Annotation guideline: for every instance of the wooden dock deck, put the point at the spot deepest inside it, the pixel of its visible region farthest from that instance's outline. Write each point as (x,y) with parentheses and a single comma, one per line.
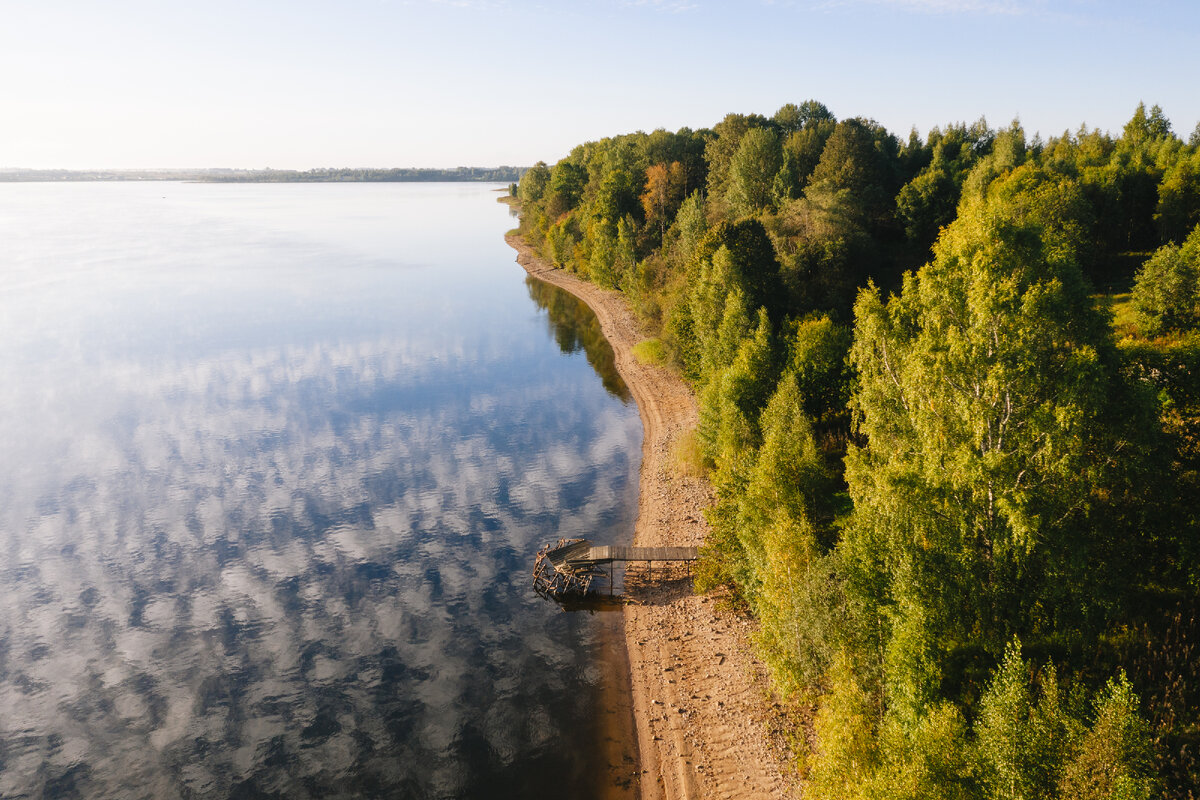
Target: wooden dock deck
(572,565)
(608,552)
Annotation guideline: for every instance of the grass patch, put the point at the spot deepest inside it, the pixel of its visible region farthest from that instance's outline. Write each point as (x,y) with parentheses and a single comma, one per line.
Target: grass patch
(1124,318)
(650,351)
(1128,332)
(686,456)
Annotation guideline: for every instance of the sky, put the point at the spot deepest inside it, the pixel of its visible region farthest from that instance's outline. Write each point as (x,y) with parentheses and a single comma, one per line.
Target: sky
(299,84)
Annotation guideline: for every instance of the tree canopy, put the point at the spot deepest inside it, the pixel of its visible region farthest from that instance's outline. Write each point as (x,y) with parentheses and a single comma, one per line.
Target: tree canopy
(957,504)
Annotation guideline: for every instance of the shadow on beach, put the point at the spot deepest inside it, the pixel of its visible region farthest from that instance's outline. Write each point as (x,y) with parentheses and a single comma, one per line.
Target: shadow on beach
(640,586)
(661,585)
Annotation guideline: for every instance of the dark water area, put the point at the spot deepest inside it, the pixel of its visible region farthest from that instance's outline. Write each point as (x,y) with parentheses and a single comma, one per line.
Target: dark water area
(275,461)
(576,329)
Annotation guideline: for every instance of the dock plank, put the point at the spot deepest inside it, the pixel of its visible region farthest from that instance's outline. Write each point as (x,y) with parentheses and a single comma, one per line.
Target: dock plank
(606,553)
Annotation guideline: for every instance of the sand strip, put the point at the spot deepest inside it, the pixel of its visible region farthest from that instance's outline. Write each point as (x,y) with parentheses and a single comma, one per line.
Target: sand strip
(702,710)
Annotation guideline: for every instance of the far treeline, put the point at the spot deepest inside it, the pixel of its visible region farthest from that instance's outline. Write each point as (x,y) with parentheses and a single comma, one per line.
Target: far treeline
(364,175)
(950,403)
(320,175)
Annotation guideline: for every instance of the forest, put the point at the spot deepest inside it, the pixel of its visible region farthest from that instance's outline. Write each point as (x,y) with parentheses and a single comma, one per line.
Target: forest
(949,393)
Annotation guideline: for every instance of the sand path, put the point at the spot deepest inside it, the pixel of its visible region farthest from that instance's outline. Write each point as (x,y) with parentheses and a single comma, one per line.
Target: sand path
(702,711)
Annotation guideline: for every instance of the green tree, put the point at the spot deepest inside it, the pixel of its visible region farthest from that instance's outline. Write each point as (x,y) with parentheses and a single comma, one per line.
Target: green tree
(685,147)
(1126,189)
(927,203)
(813,112)
(826,251)
(1023,744)
(533,183)
(1144,127)
(1178,209)
(1166,291)
(788,118)
(561,241)
(817,352)
(1038,746)
(1056,202)
(600,265)
(615,197)
(752,172)
(791,117)
(679,335)
(745,386)
(931,760)
(687,231)
(1008,151)
(801,153)
(1113,761)
(565,188)
(625,256)
(848,754)
(731,400)
(752,266)
(992,410)
(792,588)
(719,152)
(721,314)
(859,158)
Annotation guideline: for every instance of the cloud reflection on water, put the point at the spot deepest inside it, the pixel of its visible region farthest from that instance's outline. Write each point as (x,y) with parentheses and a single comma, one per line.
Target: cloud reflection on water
(296,569)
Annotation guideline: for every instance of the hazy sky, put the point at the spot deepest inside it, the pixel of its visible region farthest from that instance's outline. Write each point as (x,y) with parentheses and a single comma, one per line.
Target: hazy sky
(308,83)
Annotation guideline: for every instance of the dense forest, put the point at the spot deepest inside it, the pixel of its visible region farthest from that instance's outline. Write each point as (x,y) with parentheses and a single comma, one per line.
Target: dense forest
(949,397)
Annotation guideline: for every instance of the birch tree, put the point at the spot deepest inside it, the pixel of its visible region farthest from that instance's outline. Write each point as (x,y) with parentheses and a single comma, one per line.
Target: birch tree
(990,408)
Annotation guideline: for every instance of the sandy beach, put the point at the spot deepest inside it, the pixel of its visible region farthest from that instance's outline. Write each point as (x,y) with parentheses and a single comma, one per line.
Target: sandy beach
(706,724)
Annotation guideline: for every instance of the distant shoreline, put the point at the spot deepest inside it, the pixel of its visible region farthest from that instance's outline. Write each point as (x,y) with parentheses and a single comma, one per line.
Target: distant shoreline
(502,174)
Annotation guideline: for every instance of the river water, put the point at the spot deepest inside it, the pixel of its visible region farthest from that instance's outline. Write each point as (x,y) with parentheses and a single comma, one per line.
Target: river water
(274,464)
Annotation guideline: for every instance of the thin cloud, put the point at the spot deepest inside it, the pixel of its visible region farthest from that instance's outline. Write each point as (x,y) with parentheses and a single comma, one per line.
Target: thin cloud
(990,7)
(473,5)
(674,6)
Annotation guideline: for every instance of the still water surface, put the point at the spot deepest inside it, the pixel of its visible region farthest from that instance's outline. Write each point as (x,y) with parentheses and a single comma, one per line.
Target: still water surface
(274,464)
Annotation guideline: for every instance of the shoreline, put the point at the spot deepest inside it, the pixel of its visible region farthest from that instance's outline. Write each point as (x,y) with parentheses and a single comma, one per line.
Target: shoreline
(704,720)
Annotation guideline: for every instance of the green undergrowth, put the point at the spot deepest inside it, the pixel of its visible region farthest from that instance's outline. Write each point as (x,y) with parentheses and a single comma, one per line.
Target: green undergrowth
(650,351)
(687,458)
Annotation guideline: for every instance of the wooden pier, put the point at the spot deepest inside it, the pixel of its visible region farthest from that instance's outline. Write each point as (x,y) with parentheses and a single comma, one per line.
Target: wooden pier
(572,566)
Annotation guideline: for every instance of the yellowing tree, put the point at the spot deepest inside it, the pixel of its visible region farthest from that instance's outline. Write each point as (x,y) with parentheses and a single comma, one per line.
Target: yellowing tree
(664,193)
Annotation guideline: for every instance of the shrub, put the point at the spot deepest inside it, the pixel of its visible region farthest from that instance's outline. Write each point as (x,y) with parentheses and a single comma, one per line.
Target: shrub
(1166,294)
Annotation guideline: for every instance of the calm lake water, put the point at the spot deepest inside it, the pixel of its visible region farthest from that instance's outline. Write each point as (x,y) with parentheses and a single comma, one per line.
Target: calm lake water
(275,461)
